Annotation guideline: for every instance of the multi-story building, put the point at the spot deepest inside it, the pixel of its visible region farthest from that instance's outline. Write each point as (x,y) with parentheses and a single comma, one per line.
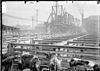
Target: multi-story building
(92,24)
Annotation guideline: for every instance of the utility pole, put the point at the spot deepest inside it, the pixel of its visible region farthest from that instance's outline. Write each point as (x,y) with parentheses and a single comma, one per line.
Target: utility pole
(36,16)
(81,11)
(32,22)
(82,16)
(56,8)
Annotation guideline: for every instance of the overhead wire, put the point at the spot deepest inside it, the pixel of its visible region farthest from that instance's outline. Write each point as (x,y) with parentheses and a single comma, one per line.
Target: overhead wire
(20,18)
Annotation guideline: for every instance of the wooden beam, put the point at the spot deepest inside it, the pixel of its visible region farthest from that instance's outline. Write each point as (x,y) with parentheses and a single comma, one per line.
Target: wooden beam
(59,52)
(90,45)
(86,42)
(56,46)
(82,57)
(29,50)
(48,40)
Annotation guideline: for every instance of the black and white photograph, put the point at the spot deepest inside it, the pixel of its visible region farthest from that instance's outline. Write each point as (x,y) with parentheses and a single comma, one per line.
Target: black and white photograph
(50,36)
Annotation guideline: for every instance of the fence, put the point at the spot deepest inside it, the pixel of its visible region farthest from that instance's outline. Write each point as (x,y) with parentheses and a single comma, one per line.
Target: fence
(80,51)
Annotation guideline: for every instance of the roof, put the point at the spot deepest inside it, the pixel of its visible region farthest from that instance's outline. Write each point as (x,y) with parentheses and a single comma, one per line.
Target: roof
(6,27)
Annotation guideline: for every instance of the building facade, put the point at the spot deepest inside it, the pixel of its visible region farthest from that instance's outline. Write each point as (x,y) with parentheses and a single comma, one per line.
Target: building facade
(92,24)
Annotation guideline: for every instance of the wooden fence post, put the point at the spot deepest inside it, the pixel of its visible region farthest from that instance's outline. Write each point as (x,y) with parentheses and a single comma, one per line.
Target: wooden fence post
(35,50)
(22,50)
(33,47)
(10,49)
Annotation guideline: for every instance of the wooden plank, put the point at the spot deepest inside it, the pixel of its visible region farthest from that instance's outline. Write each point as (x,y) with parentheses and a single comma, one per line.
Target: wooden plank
(82,57)
(50,40)
(89,40)
(86,42)
(93,45)
(63,52)
(74,51)
(47,40)
(56,46)
(58,52)
(18,49)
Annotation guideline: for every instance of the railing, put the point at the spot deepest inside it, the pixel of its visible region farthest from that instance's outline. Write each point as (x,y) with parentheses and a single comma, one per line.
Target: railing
(82,51)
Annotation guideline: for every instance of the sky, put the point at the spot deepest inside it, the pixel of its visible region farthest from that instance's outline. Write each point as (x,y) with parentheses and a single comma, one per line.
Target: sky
(22,10)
